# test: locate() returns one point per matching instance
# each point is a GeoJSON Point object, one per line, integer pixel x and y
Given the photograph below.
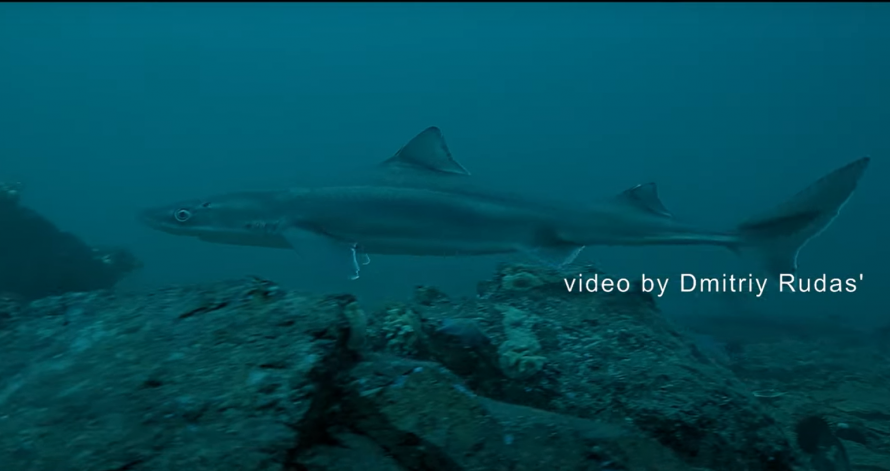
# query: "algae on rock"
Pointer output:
{"type": "Point", "coordinates": [402, 330]}
{"type": "Point", "coordinates": [520, 355]}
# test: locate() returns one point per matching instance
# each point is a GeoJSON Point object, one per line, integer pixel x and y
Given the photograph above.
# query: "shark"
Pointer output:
{"type": "Point", "coordinates": [421, 201]}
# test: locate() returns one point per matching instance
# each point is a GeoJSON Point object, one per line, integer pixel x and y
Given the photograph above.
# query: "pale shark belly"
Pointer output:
{"type": "Point", "coordinates": [440, 248]}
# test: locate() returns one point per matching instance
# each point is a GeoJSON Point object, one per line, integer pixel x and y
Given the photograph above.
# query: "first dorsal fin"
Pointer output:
{"type": "Point", "coordinates": [644, 197]}
{"type": "Point", "coordinates": [427, 151]}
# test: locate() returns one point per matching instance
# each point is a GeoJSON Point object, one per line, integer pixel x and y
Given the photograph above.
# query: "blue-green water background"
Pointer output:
{"type": "Point", "coordinates": [108, 108]}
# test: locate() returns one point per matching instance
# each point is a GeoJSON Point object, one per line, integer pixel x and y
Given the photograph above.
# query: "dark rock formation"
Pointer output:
{"type": "Point", "coordinates": [246, 376]}
{"type": "Point", "coordinates": [845, 385]}
{"type": "Point", "coordinates": [607, 357]}
{"type": "Point", "coordinates": [38, 260]}
{"type": "Point", "coordinates": [212, 377]}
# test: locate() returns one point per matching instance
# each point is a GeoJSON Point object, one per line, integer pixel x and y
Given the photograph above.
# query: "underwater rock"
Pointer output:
{"type": "Point", "coordinates": [614, 357]}
{"type": "Point", "coordinates": [845, 385]}
{"type": "Point", "coordinates": [245, 375]}
{"type": "Point", "coordinates": [427, 418]}
{"type": "Point", "coordinates": [428, 295]}
{"type": "Point", "coordinates": [401, 330]}
{"type": "Point", "coordinates": [347, 452]}
{"type": "Point", "coordinates": [520, 353]}
{"type": "Point", "coordinates": [358, 326]}
{"type": "Point", "coordinates": [10, 307]}
{"type": "Point", "coordinates": [520, 281]}
{"type": "Point", "coordinates": [220, 376]}
{"type": "Point", "coordinates": [37, 259]}
{"type": "Point", "coordinates": [465, 332]}
{"type": "Point", "coordinates": [816, 438]}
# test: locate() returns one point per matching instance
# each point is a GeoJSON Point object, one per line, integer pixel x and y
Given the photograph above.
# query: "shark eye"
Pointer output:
{"type": "Point", "coordinates": [182, 215]}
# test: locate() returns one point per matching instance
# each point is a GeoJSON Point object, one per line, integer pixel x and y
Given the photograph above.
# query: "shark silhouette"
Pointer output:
{"type": "Point", "coordinates": [424, 202]}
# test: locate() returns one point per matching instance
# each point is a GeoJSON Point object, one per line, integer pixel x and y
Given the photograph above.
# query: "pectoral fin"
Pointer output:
{"type": "Point", "coordinates": [556, 256]}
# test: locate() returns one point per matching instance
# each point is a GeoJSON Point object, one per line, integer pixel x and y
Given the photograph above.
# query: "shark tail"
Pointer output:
{"type": "Point", "coordinates": [776, 237]}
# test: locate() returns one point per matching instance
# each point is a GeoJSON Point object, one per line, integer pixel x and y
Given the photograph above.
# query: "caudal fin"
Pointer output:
{"type": "Point", "coordinates": [776, 237]}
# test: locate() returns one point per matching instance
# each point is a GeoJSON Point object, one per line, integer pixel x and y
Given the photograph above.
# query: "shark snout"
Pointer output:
{"type": "Point", "coordinates": [153, 217]}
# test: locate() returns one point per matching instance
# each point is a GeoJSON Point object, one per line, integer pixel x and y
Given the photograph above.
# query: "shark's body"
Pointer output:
{"type": "Point", "coordinates": [423, 202]}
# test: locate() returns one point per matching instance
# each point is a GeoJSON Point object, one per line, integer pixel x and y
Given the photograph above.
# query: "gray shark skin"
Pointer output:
{"type": "Point", "coordinates": [421, 201]}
